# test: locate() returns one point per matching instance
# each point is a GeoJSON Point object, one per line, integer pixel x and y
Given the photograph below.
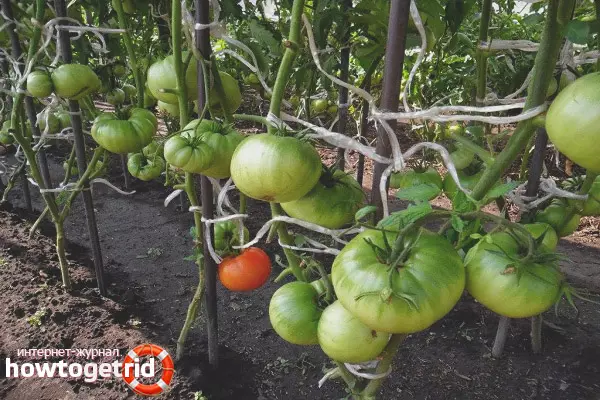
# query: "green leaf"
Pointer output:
{"type": "Point", "coordinates": [456, 10]}
{"type": "Point", "coordinates": [299, 240]}
{"type": "Point", "coordinates": [363, 212]}
{"type": "Point", "coordinates": [419, 193]}
{"type": "Point", "coordinates": [457, 223]}
{"type": "Point", "coordinates": [500, 190]}
{"type": "Point", "coordinates": [461, 203]}
{"type": "Point", "coordinates": [578, 31]}
{"type": "Point", "coordinates": [402, 218]}
{"type": "Point", "coordinates": [265, 37]}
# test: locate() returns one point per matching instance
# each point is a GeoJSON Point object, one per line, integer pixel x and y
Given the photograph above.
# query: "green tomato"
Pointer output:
{"type": "Point", "coordinates": [74, 81]}
{"type": "Point", "coordinates": [332, 203]}
{"type": "Point", "coordinates": [455, 128]}
{"type": "Point", "coordinates": [222, 139]}
{"type": "Point", "coordinates": [161, 75]}
{"type": "Point", "coordinates": [410, 178]}
{"type": "Point", "coordinates": [294, 313]}
{"type": "Point", "coordinates": [462, 157]}
{"type": "Point", "coordinates": [39, 84]}
{"type": "Point", "coordinates": [295, 101]}
{"type": "Point", "coordinates": [332, 109]}
{"type": "Point", "coordinates": [6, 138]}
{"type": "Point", "coordinates": [232, 94]}
{"type": "Point", "coordinates": [123, 136]}
{"type": "Point", "coordinates": [53, 123]}
{"type": "Point", "coordinates": [145, 168]}
{"type": "Point", "coordinates": [119, 70]}
{"type": "Point", "coordinates": [514, 290]}
{"type": "Point", "coordinates": [170, 109]}
{"type": "Point", "coordinates": [591, 207]}
{"type": "Point", "coordinates": [227, 235]}
{"type": "Point", "coordinates": [573, 122]}
{"type": "Point", "coordinates": [189, 152]}
{"type": "Point", "coordinates": [275, 168]}
{"type": "Point", "coordinates": [115, 97]}
{"type": "Point", "coordinates": [344, 338]}
{"type": "Point", "coordinates": [251, 79]}
{"type": "Point", "coordinates": [554, 216]}
{"type": "Point", "coordinates": [540, 229]}
{"type": "Point", "coordinates": [318, 106]}
{"type": "Point", "coordinates": [149, 100]}
{"type": "Point", "coordinates": [402, 299]}
{"type": "Point", "coordinates": [130, 92]}
{"type": "Point", "coordinates": [154, 148]}
{"type": "Point", "coordinates": [64, 119]}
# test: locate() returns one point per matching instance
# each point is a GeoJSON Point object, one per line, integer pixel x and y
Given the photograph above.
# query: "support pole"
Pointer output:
{"type": "Point", "coordinates": [203, 45]}
{"type": "Point", "coordinates": [16, 53]}
{"type": "Point", "coordinates": [392, 75]}
{"type": "Point", "coordinates": [66, 56]}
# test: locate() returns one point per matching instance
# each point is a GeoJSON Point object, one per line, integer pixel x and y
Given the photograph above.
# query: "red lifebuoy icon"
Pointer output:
{"type": "Point", "coordinates": [163, 383]}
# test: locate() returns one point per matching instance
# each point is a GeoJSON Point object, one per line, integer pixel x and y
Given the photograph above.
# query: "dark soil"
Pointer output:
{"type": "Point", "coordinates": [150, 286]}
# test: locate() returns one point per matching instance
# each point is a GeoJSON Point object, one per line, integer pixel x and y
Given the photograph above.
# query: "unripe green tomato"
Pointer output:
{"type": "Point", "coordinates": [251, 79]}
{"type": "Point", "coordinates": [53, 123]}
{"type": "Point", "coordinates": [119, 70]}
{"type": "Point", "coordinates": [64, 119]}
{"type": "Point", "coordinates": [171, 109]}
{"type": "Point", "coordinates": [554, 215]}
{"type": "Point", "coordinates": [130, 92]}
{"type": "Point", "coordinates": [318, 106]}
{"type": "Point", "coordinates": [332, 109]}
{"type": "Point", "coordinates": [115, 97]}
{"type": "Point", "coordinates": [6, 138]}
{"type": "Point", "coordinates": [39, 84]}
{"type": "Point", "coordinates": [295, 101]}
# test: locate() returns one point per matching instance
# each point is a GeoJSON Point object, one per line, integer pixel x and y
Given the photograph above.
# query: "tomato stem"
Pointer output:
{"type": "Point", "coordinates": [544, 68]}
{"type": "Point", "coordinates": [132, 59]}
{"type": "Point", "coordinates": [385, 362]}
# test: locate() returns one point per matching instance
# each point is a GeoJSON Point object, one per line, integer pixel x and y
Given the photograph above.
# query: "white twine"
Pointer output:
{"type": "Point", "coordinates": [548, 186]}
{"type": "Point", "coordinates": [73, 186]}
{"type": "Point", "coordinates": [414, 13]}
{"type": "Point", "coordinates": [356, 369]}
{"type": "Point", "coordinates": [523, 45]}
{"type": "Point", "coordinates": [170, 197]}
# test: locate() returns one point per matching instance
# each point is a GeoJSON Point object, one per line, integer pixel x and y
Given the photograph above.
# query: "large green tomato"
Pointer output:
{"type": "Point", "coordinates": [161, 75]}
{"type": "Point", "coordinates": [410, 177]}
{"type": "Point", "coordinates": [74, 81]}
{"type": "Point", "coordinates": [123, 136]}
{"type": "Point", "coordinates": [591, 206]}
{"type": "Point", "coordinates": [170, 109]}
{"type": "Point", "coordinates": [573, 122]}
{"type": "Point", "coordinates": [426, 286]}
{"type": "Point", "coordinates": [509, 288]}
{"type": "Point", "coordinates": [332, 203]}
{"type": "Point", "coordinates": [554, 215]}
{"type": "Point", "coordinates": [189, 152]}
{"type": "Point", "coordinates": [318, 106]}
{"type": "Point", "coordinates": [275, 168]}
{"type": "Point", "coordinates": [345, 339]}
{"type": "Point", "coordinates": [154, 148]}
{"type": "Point", "coordinates": [227, 235]}
{"type": "Point", "coordinates": [294, 313]}
{"type": "Point", "coordinates": [222, 139]}
{"type": "Point", "coordinates": [39, 84]}
{"type": "Point", "coordinates": [232, 94]}
{"type": "Point", "coordinates": [145, 168]}
{"type": "Point", "coordinates": [539, 229]}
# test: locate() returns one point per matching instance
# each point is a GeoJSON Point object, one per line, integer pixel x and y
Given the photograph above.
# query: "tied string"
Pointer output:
{"type": "Point", "coordinates": [547, 186]}
{"type": "Point", "coordinates": [364, 370]}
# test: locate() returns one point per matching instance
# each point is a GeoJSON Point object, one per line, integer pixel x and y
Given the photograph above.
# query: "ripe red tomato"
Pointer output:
{"type": "Point", "coordinates": [247, 271]}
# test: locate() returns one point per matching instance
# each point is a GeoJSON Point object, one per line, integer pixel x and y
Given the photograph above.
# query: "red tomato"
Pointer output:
{"type": "Point", "coordinates": [248, 271]}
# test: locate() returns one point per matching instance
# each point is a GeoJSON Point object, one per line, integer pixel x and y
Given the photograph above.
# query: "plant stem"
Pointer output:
{"type": "Point", "coordinates": [286, 238]}
{"type": "Point", "coordinates": [285, 68]}
{"type": "Point", "coordinates": [348, 378]}
{"type": "Point", "coordinates": [253, 118]}
{"type": "Point", "coordinates": [181, 88]}
{"type": "Point", "coordinates": [544, 68]}
{"type": "Point", "coordinates": [329, 293]}
{"type": "Point", "coordinates": [132, 59]}
{"type": "Point", "coordinates": [536, 333]}
{"type": "Point", "coordinates": [386, 358]}
{"type": "Point", "coordinates": [501, 335]}
{"type": "Point", "coordinates": [192, 312]}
